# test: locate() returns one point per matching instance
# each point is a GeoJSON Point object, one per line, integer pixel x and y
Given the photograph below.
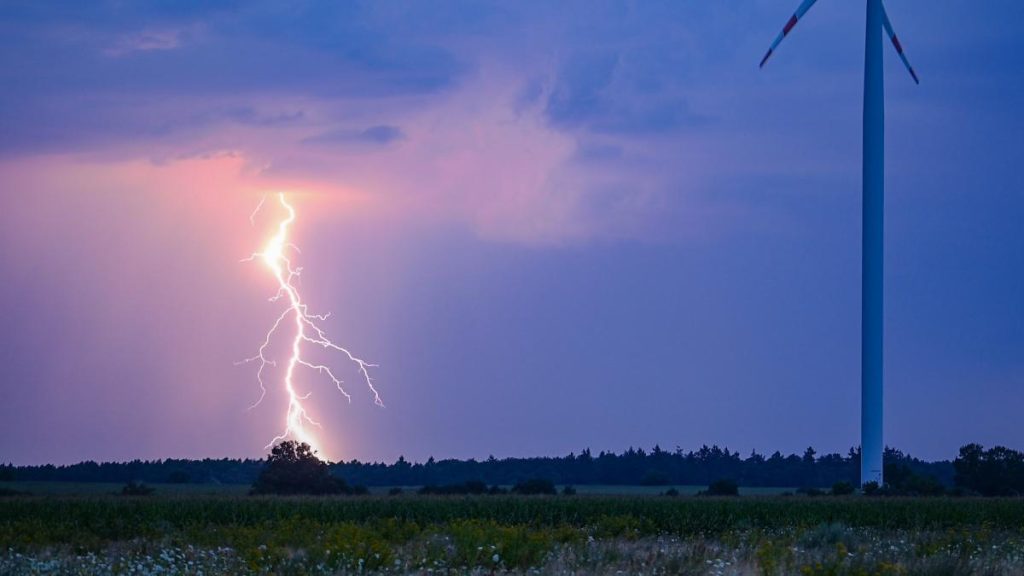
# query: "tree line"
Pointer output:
{"type": "Point", "coordinates": [635, 466]}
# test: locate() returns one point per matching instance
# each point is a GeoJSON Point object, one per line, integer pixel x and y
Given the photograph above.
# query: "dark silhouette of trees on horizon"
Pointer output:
{"type": "Point", "coordinates": [635, 466]}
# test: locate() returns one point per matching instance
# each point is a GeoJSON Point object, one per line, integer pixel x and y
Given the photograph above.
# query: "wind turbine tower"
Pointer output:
{"type": "Point", "coordinates": [871, 442]}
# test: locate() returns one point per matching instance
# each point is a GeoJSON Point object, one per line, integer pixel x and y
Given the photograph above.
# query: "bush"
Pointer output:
{"type": "Point", "coordinates": [871, 489]}
{"type": "Point", "coordinates": [396, 491]}
{"type": "Point", "coordinates": [568, 491]}
{"type": "Point", "coordinates": [842, 489]}
{"type": "Point", "coordinates": [721, 487]}
{"type": "Point", "coordinates": [293, 468]}
{"type": "Point", "coordinates": [671, 492]}
{"type": "Point", "coordinates": [534, 486]}
{"type": "Point", "coordinates": [136, 489]}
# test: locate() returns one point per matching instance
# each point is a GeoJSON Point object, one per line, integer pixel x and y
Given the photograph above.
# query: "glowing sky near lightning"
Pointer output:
{"type": "Point", "coordinates": [302, 329]}
{"type": "Point", "coordinates": [553, 225]}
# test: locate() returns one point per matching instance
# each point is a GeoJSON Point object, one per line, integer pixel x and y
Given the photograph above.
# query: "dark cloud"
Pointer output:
{"type": "Point", "coordinates": [625, 93]}
{"type": "Point", "coordinates": [79, 76]}
{"type": "Point", "coordinates": [49, 124]}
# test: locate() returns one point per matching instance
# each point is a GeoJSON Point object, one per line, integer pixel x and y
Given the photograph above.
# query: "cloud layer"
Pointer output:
{"type": "Point", "coordinates": [529, 213]}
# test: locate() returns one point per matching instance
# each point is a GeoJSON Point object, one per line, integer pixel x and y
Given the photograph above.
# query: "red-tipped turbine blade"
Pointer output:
{"type": "Point", "coordinates": [896, 44]}
{"type": "Point", "coordinates": [804, 7]}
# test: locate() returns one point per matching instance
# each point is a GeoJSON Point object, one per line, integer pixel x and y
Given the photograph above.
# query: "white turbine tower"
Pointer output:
{"type": "Point", "coordinates": [871, 442]}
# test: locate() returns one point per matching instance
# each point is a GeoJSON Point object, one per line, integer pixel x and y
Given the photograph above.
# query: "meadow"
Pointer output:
{"type": "Point", "coordinates": [190, 489]}
{"type": "Point", "coordinates": [229, 533]}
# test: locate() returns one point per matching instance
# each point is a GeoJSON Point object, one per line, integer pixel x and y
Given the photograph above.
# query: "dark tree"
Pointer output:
{"type": "Point", "coordinates": [293, 468]}
{"type": "Point", "coordinates": [901, 480]}
{"type": "Point", "coordinates": [998, 471]}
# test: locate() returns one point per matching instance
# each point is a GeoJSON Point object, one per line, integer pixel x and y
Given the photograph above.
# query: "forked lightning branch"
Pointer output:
{"type": "Point", "coordinates": [303, 328]}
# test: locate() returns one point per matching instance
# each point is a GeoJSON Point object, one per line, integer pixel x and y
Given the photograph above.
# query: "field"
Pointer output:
{"type": "Point", "coordinates": [585, 534]}
{"type": "Point", "coordinates": [106, 488]}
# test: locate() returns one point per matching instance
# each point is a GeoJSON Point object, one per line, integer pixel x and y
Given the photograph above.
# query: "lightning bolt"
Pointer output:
{"type": "Point", "coordinates": [306, 331]}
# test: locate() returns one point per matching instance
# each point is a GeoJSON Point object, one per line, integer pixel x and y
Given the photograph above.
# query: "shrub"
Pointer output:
{"type": "Point", "coordinates": [871, 489]}
{"type": "Point", "coordinates": [396, 491]}
{"type": "Point", "coordinates": [721, 487]}
{"type": "Point", "coordinates": [136, 489]}
{"type": "Point", "coordinates": [842, 489]}
{"type": "Point", "coordinates": [568, 491]}
{"type": "Point", "coordinates": [671, 492]}
{"type": "Point", "coordinates": [534, 486]}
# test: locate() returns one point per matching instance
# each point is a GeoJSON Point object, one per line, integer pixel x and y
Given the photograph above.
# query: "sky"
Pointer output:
{"type": "Point", "coordinates": [554, 225]}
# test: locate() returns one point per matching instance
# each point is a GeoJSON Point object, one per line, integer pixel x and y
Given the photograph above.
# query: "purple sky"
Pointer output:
{"type": "Point", "coordinates": [553, 225]}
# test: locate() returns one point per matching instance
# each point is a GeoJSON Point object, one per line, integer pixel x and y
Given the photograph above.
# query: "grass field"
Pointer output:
{"type": "Point", "coordinates": [108, 488]}
{"type": "Point", "coordinates": [105, 488]}
{"type": "Point", "coordinates": [229, 533]}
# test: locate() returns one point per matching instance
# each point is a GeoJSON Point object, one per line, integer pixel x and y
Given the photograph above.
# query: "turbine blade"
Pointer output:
{"type": "Point", "coordinates": [800, 11]}
{"type": "Point", "coordinates": [896, 44]}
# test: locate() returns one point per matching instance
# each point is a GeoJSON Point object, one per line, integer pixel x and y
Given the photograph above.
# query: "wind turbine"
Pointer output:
{"type": "Point", "coordinates": [871, 444]}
